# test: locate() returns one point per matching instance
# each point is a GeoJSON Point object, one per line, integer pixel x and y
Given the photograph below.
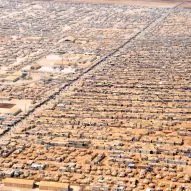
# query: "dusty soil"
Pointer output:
{"type": "Point", "coordinates": [147, 3]}
{"type": "Point", "coordinates": [186, 5]}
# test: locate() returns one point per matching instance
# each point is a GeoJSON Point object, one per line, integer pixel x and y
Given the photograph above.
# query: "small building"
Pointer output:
{"type": "Point", "coordinates": [119, 188]}
{"type": "Point", "coordinates": [19, 183]}
{"type": "Point", "coordinates": [38, 166]}
{"type": "Point", "coordinates": [76, 188]}
{"type": "Point", "coordinates": [100, 188]}
{"type": "Point", "coordinates": [54, 186]}
{"type": "Point", "coordinates": [8, 172]}
{"type": "Point", "coordinates": [3, 98]}
{"type": "Point", "coordinates": [35, 67]}
{"type": "Point", "coordinates": [14, 111]}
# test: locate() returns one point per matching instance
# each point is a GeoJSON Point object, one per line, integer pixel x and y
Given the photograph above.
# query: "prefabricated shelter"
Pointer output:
{"type": "Point", "coordinates": [54, 186]}
{"type": "Point", "coordinates": [76, 188]}
{"type": "Point", "coordinates": [19, 183]}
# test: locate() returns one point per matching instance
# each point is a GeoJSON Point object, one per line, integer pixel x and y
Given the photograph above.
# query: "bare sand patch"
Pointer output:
{"type": "Point", "coordinates": [146, 3]}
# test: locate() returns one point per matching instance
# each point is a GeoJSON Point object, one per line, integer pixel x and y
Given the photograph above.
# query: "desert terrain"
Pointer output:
{"type": "Point", "coordinates": [95, 95]}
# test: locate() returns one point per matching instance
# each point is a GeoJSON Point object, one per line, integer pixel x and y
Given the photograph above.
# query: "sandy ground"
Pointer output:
{"type": "Point", "coordinates": [147, 3]}
{"type": "Point", "coordinates": [186, 5]}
